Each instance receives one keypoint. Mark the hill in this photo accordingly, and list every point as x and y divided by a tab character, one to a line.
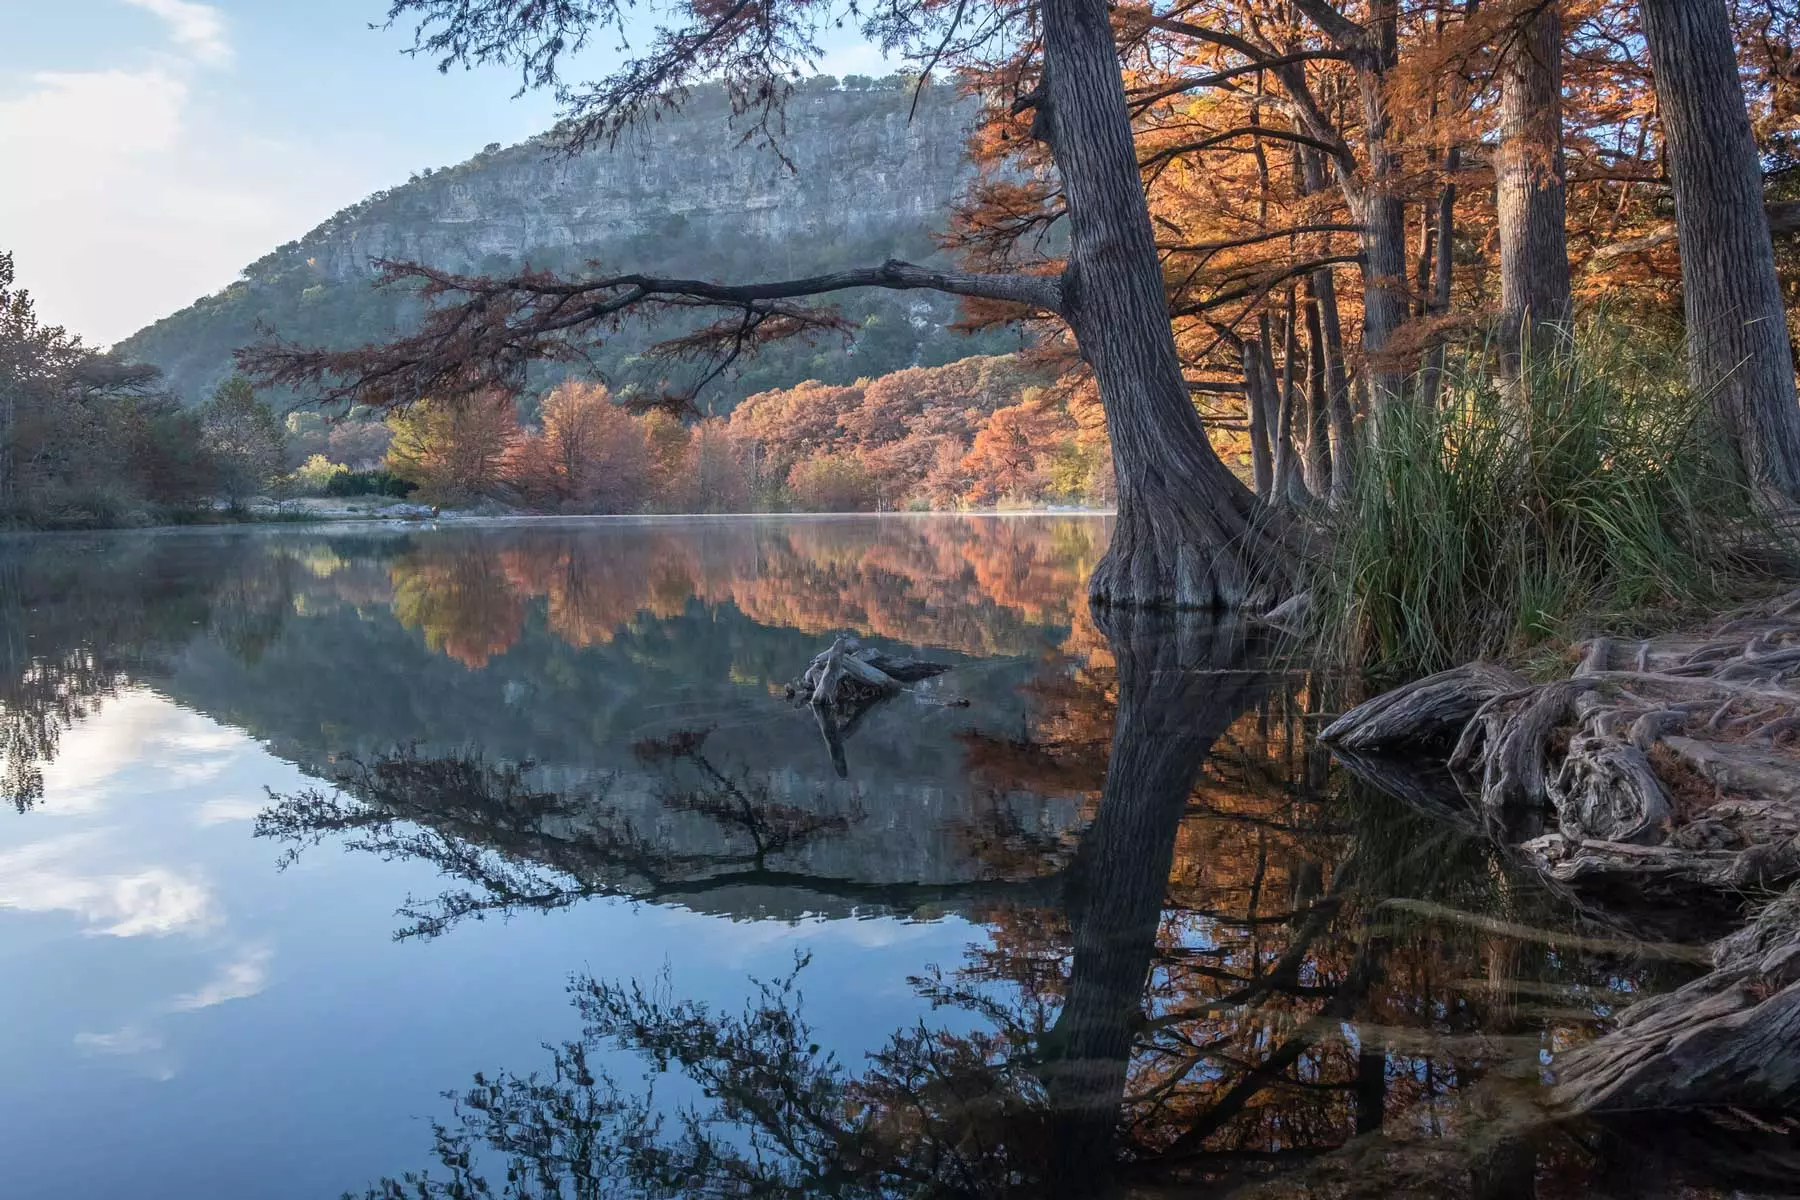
870	179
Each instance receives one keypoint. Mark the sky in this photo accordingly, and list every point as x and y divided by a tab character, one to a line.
153	148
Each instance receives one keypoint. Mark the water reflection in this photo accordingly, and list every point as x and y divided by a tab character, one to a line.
1203	961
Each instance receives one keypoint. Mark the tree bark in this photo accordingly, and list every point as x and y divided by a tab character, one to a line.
1288	488
1382	211
1261	464
1529	193
1188	534
1337	381
1431	380
1318	402
1738	350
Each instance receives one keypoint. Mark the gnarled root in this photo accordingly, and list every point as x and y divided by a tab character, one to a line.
1731	1037
1429	712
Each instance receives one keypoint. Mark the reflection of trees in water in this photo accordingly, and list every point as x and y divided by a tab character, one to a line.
970	585
511	845
79	621
1237	975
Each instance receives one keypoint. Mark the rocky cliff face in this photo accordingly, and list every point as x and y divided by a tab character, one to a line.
868	180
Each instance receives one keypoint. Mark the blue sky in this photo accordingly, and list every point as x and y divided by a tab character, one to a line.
154	147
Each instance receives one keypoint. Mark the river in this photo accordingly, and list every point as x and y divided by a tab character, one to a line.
334	856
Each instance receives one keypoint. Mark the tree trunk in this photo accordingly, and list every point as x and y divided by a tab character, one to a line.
1188	534
1287	462
1529	194
1179	689
1382	212
1318	425
1337	381
1431	380
1738	351
1261	464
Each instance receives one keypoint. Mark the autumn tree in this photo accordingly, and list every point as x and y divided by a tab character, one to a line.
454	449
589	456
1188	532
833	482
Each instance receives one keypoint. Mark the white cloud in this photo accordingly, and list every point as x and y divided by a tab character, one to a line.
238	979
143	195
44	877
197	28
128	1040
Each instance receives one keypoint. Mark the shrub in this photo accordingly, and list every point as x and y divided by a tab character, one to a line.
313	477
369	483
1595	488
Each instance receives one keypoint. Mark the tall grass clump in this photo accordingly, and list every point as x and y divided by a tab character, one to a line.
1593	492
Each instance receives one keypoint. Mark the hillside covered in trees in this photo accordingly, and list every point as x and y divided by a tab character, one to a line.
866	176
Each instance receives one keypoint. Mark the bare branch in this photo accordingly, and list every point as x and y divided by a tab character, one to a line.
1207	143
495	326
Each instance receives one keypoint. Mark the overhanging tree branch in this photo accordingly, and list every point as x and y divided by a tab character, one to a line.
495	326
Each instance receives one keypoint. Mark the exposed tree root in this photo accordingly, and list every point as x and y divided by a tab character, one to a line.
1665	772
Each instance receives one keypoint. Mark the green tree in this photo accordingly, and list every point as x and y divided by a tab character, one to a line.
244	439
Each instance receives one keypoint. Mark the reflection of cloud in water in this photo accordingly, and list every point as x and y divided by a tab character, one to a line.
221	812
239	979
138	743
140	1051
56	875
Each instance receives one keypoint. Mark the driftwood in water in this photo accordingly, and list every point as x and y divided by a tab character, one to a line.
847	679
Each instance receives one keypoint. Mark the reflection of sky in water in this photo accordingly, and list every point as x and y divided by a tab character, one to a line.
181	1019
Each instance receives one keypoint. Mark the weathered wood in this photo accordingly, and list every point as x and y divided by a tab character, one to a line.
1731	1037
1434	709
831	673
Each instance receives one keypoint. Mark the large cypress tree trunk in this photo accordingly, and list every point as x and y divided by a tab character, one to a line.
1738	349
1529	192
1188	534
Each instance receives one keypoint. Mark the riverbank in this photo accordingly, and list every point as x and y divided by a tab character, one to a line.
1657	784
309	511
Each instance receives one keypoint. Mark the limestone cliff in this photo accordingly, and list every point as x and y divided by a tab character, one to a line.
869	179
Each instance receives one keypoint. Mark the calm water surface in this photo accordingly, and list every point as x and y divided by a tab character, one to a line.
315	841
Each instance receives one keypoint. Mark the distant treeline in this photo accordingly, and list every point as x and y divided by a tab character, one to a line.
979	432
88	439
